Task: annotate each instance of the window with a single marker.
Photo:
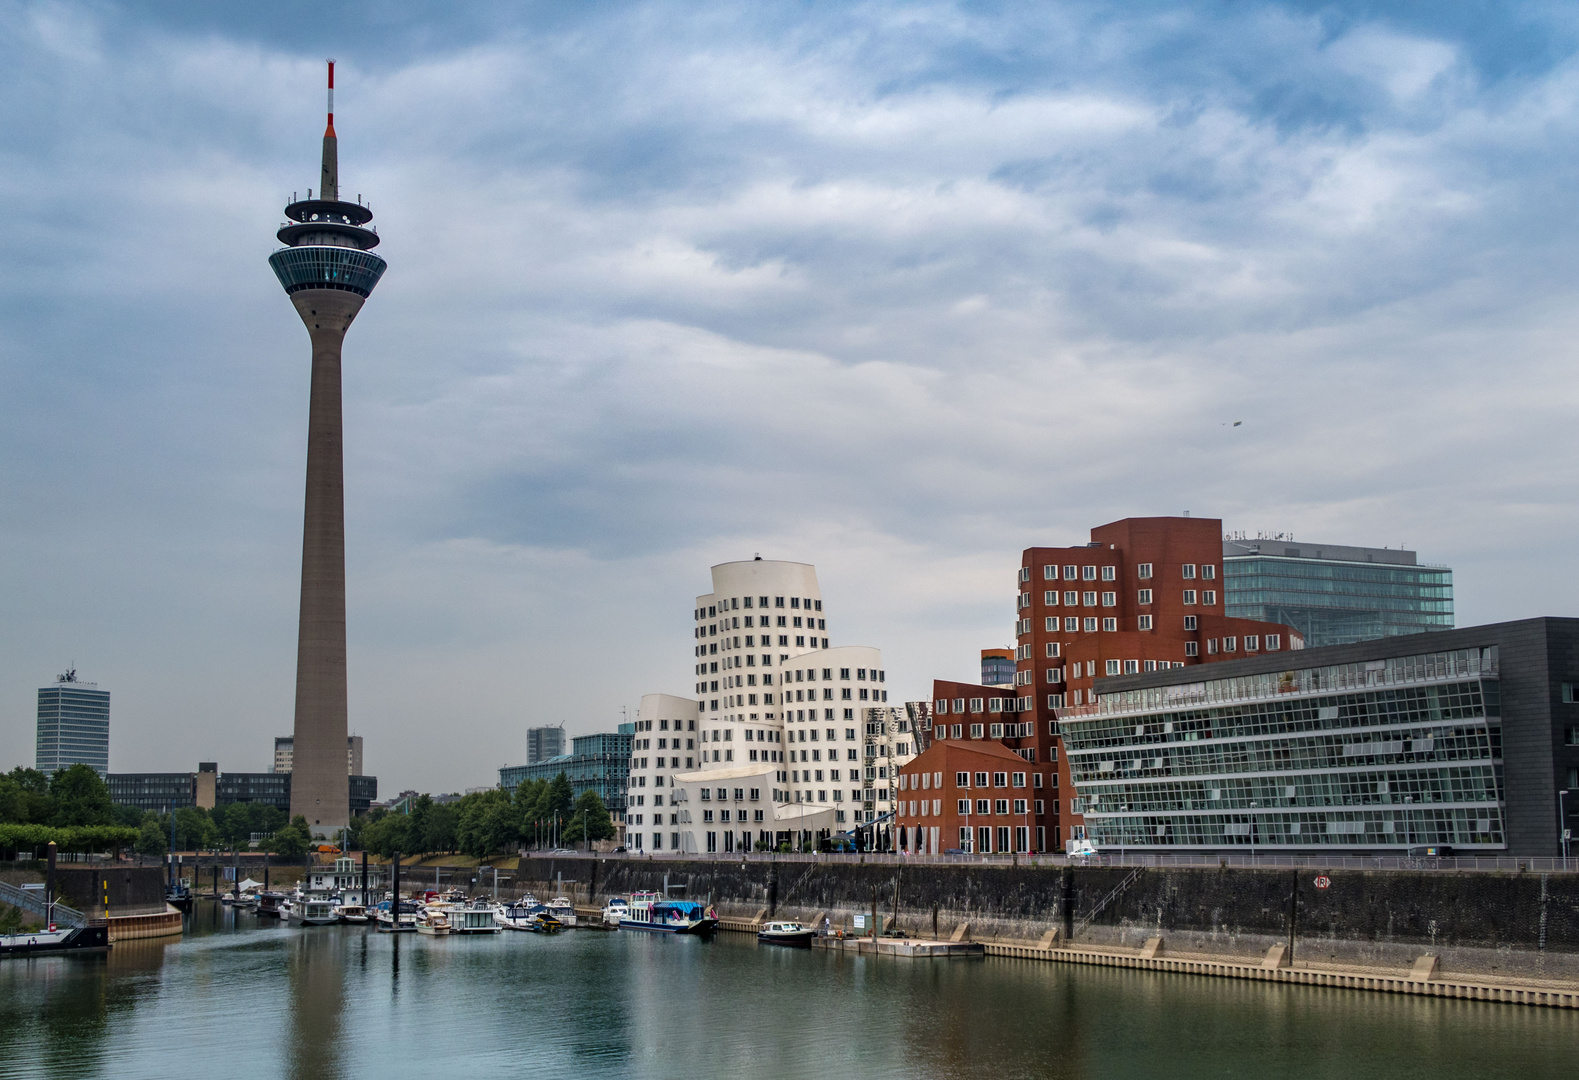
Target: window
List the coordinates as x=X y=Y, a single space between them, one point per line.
x=1109 y=626
x=995 y=730
x=1019 y=779
x=1025 y=574
x=975 y=731
x=962 y=779
x=1088 y=573
x=1049 y=573
x=1252 y=642
x=1050 y=625
x=1189 y=624
x=959 y=704
x=1071 y=573
x=1144 y=622
x=1000 y=779
x=1229 y=644
x=1144 y=596
x=1132 y=667
x=1055 y=675
x=1000 y=806
x=1091 y=626
x=1110 y=599
x=1052 y=648
x=1189 y=572
x=1143 y=571
x=1209 y=597
x=962 y=807
x=1208 y=573
x=1071 y=598
x=975 y=704
x=1189 y=596
x=1568 y=690
x=1112 y=667
x=1211 y=646
x=1191 y=648
x=1273 y=642
x=1089 y=599
x=1071 y=626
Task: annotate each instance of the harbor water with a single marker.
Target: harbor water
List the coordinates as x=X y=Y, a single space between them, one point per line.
x=240 y=996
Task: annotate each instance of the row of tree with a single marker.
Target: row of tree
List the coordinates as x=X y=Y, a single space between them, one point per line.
x=541 y=813
x=74 y=796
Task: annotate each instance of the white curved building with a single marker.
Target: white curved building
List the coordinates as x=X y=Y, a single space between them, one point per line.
x=779 y=725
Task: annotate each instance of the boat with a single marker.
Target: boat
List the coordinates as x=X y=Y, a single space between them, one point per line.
x=178 y=895
x=785 y=933
x=616 y=909
x=521 y=915
x=562 y=909
x=313 y=911
x=272 y=905
x=545 y=921
x=351 y=913
x=434 y=923
x=386 y=921
x=66 y=939
x=473 y=920
x=650 y=911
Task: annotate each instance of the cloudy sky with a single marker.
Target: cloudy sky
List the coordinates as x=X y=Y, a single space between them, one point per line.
x=896 y=289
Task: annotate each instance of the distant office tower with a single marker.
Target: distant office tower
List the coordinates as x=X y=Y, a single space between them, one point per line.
x=73 y=725
x=285 y=754
x=997 y=667
x=543 y=743
x=1336 y=595
x=328 y=271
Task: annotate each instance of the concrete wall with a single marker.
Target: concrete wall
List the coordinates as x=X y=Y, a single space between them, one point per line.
x=1477 y=922
x=131 y=887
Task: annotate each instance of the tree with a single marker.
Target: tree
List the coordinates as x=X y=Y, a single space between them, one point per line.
x=488 y=822
x=24 y=797
x=80 y=797
x=440 y=832
x=589 y=809
x=150 y=838
x=293 y=839
x=194 y=829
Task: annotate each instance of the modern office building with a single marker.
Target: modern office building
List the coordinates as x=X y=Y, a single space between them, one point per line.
x=285 y=754
x=998 y=667
x=73 y=725
x=776 y=727
x=208 y=787
x=599 y=763
x=543 y=743
x=328 y=270
x=1467 y=738
x=1334 y=594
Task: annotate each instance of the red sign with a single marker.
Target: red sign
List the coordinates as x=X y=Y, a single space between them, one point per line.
x=1323 y=881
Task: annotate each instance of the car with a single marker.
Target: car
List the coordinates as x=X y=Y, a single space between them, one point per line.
x=619 y=850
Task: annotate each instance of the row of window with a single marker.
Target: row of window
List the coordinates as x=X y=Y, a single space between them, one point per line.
x=1110 y=573
x=733 y=701
x=663 y=725
x=783 y=621
x=735 y=603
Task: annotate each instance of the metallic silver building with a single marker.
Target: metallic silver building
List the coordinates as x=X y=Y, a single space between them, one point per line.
x=73 y=725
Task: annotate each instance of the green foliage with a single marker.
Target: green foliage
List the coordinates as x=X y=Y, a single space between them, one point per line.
x=195 y=830
x=489 y=822
x=80 y=797
x=385 y=833
x=293 y=839
x=10 y=919
x=24 y=797
x=589 y=811
x=150 y=837
x=35 y=838
x=442 y=829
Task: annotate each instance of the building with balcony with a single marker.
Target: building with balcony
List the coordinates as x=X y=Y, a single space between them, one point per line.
x=1467 y=738
x=1334 y=594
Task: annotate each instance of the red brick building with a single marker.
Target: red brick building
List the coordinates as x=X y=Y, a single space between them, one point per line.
x=976 y=797
x=1145 y=593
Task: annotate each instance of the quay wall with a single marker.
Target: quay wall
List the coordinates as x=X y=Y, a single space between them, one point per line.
x=1490 y=924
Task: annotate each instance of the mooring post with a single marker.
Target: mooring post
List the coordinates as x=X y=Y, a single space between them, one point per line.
x=265 y=871
x=49 y=884
x=871 y=929
x=394 y=892
x=364 y=877
x=1293 y=913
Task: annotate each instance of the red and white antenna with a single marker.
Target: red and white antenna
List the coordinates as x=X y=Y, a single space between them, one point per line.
x=329 y=131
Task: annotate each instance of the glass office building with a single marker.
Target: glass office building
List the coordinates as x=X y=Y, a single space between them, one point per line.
x=599 y=763
x=73 y=725
x=1334 y=594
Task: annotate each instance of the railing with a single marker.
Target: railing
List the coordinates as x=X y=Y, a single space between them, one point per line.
x=32 y=901
x=1101 y=905
x=1483 y=863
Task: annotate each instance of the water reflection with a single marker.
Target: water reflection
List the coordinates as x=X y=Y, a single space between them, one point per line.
x=346 y=1001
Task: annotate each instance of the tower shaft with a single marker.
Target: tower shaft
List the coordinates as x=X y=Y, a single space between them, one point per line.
x=320 y=787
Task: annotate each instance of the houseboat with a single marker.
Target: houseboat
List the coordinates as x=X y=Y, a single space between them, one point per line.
x=313 y=911
x=650 y=911
x=272 y=905
x=473 y=920
x=65 y=939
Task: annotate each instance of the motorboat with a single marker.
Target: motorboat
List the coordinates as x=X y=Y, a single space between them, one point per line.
x=650 y=911
x=65 y=939
x=313 y=911
x=178 y=895
x=545 y=921
x=521 y=915
x=351 y=913
x=785 y=933
x=562 y=909
x=386 y=920
x=434 y=923
x=473 y=920
x=615 y=910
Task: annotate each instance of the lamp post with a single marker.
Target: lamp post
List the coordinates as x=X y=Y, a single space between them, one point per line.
x=1562 y=821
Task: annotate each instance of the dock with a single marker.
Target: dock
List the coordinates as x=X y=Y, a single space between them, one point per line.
x=910 y=948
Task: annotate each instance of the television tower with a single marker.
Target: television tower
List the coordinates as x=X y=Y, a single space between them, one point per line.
x=328 y=270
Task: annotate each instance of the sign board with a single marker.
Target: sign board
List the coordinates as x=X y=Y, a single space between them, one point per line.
x=1323 y=882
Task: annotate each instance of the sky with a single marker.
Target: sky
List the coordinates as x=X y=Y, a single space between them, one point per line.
x=895 y=289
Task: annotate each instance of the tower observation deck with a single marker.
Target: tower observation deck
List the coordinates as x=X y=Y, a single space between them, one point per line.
x=328 y=270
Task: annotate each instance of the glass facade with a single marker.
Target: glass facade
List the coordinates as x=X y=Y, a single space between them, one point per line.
x=998 y=667
x=599 y=763
x=1359 y=757
x=327 y=268
x=73 y=726
x=1338 y=601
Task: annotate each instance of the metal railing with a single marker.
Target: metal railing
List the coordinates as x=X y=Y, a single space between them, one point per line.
x=32 y=902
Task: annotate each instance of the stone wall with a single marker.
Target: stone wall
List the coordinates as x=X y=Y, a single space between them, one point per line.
x=131 y=888
x=1487 y=923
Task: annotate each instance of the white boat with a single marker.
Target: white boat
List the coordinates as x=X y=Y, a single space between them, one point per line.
x=617 y=909
x=313 y=912
x=562 y=909
x=473 y=920
x=386 y=921
x=785 y=933
x=650 y=911
x=521 y=915
x=351 y=913
x=434 y=923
